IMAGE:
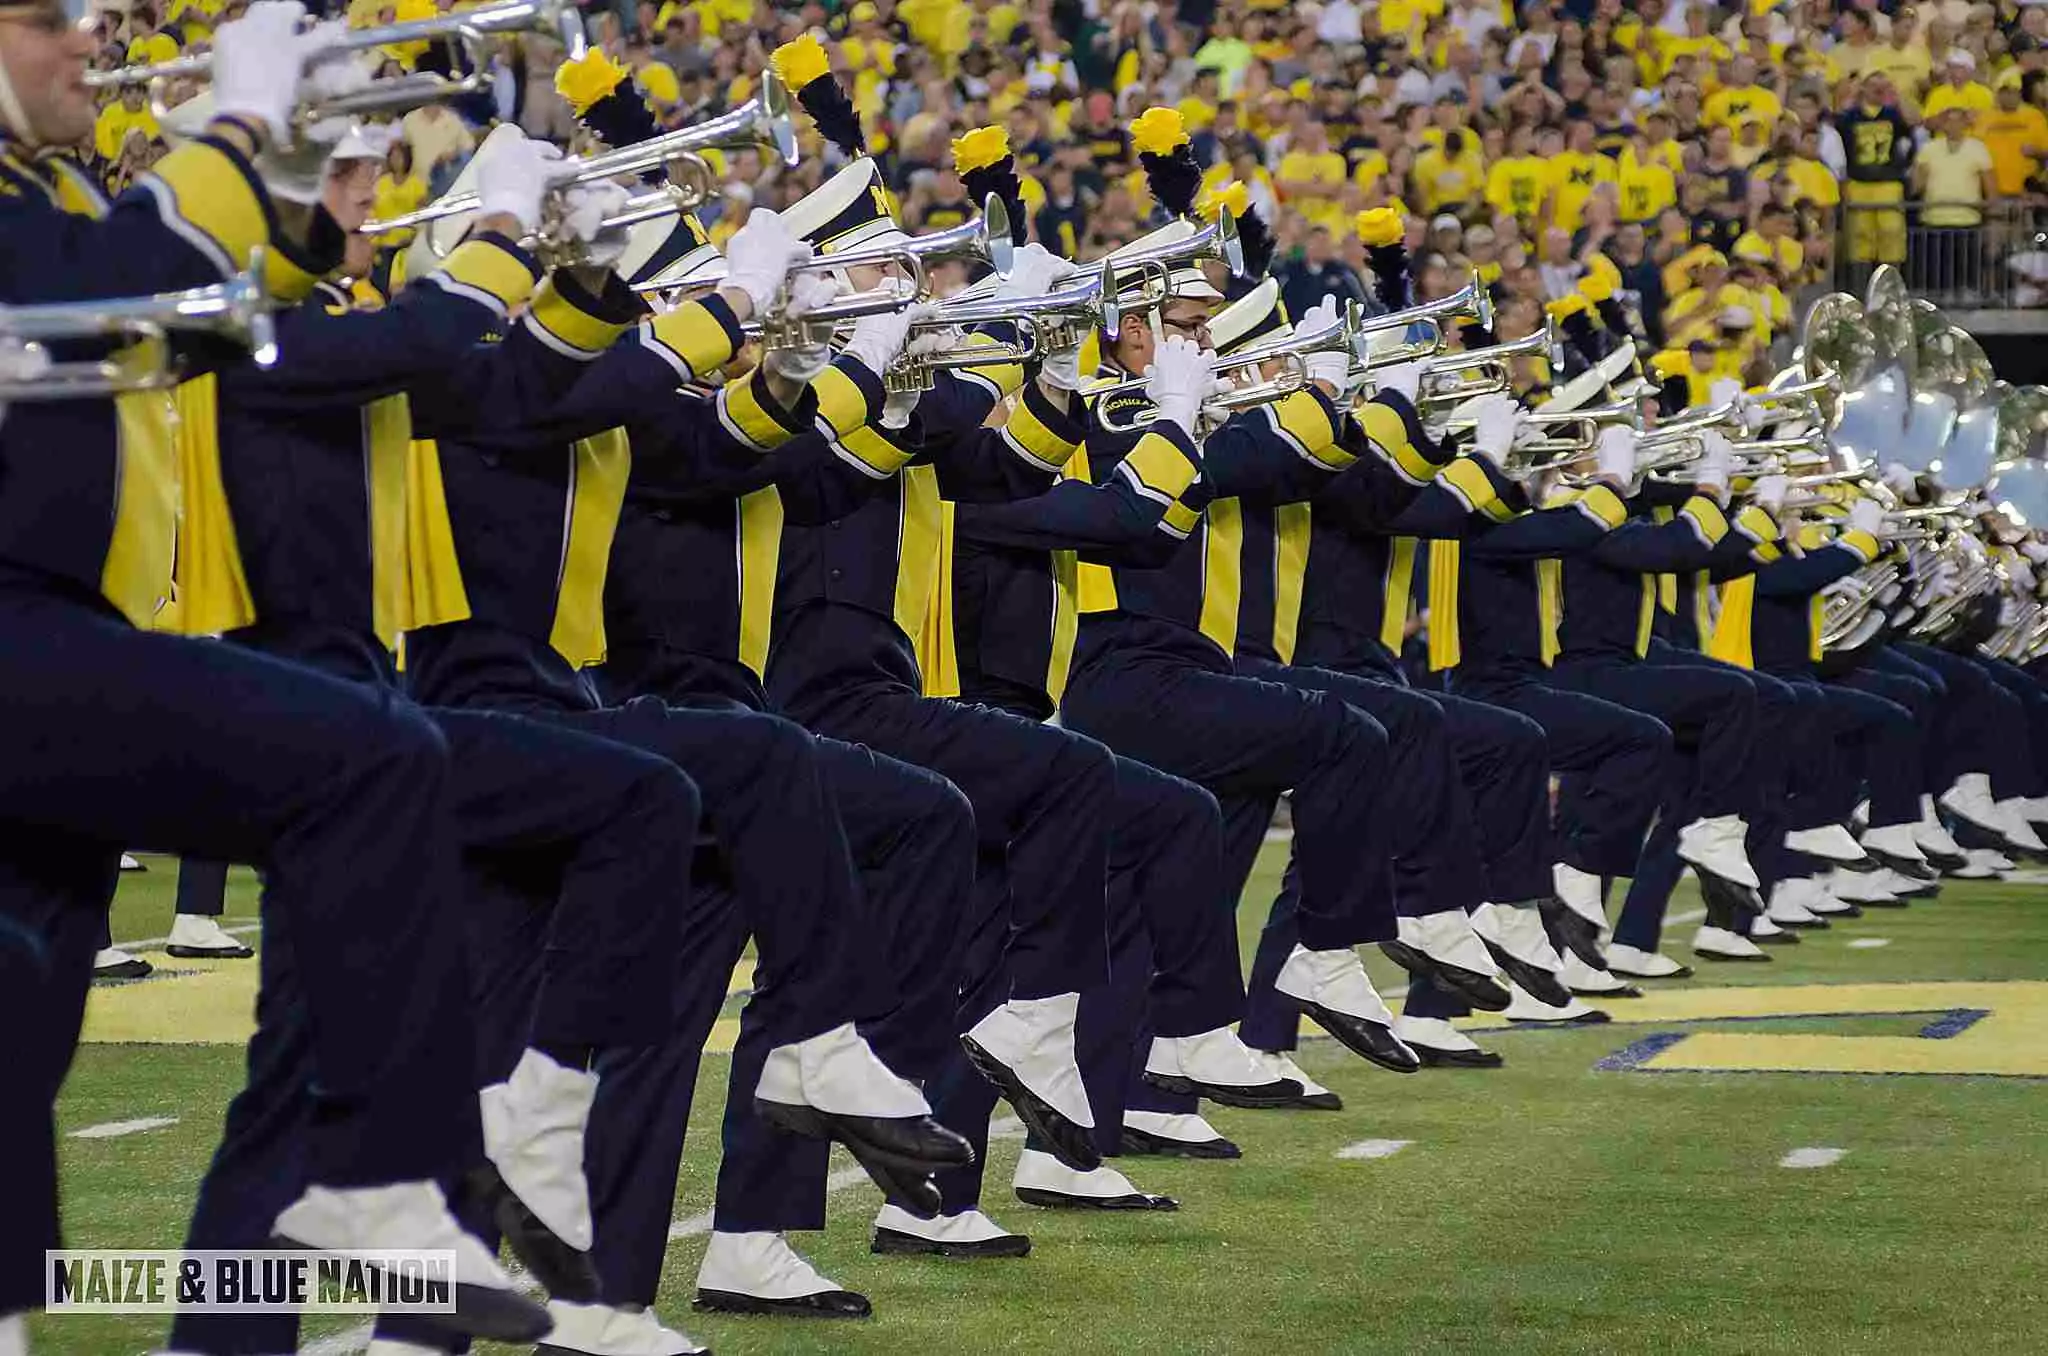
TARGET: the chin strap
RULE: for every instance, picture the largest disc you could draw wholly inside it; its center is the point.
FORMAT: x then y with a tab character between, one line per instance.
13	117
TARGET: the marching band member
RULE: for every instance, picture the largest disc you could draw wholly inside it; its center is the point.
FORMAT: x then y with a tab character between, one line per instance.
1163	1012
215	751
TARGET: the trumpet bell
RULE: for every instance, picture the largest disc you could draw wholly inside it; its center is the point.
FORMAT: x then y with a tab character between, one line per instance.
1888	311
1833	340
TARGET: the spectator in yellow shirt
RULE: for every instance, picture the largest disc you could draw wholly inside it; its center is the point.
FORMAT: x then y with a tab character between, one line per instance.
129	113
1958	89
1311	177
1645	181
1952	175
1741	101
1773	244
399	190
1904	61
1579	170
2016	134
1519	183
1451	178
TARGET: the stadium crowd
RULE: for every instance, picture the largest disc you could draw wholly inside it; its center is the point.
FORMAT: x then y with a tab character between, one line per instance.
1709	152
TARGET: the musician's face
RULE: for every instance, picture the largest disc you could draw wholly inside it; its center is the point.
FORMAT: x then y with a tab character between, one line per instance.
45	55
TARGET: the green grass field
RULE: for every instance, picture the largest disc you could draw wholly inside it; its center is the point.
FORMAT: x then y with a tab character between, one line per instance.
1546	1207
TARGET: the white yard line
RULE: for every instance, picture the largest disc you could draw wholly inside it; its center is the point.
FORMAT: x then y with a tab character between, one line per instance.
1374	1148
1812	1157
1869	943
116	1129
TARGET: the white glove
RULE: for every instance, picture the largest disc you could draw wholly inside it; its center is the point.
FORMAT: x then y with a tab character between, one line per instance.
1332	370
759	255
1497	420
1406	378
1181	377
257	61
2036	551
1769	493
21	362
1061	370
898	405
1615	455
1034	271
801	364
1723	390
2021	574
879	340
809	291
513	172
1865	516
1710	472
1899	480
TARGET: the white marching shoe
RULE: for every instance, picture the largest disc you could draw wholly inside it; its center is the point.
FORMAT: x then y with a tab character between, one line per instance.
114	963
14	1335
534	1124
1829	842
1983	864
1762	929
1332	988
1517	939
967	1234
1443	947
1893	843
1581	893
1172	1134
1218	1066
1442	1046
415	1215
196	937
1529	1009
2017	830
607	1330
1789	906
1931	835
1584	980
1026	1048
1314	1096
1043	1180
759	1273
1822	901
1715	844
833	1086
1723	945
1971	799
1634	963
130	862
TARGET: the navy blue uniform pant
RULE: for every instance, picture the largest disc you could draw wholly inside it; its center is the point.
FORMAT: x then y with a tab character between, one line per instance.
1613	761
1044	803
1170	700
1428	818
1981	724
116	738
1887	761
2034	702
576	857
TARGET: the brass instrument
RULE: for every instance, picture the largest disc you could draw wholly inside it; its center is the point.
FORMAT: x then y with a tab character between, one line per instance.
1346	335
471	28
238	309
1216	241
1569	434
1051	323
762	122
1472	302
1457	377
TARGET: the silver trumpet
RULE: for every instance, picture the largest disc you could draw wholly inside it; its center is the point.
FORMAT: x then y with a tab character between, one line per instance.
1154	266
1472	302
1568	435
471	28
238	309
1047	324
763	121
1345	335
1452	378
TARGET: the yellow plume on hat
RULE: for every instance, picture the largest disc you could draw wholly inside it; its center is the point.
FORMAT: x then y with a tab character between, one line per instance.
1158	131
801	61
1567	306
588	79
1233	195
1380	226
979	149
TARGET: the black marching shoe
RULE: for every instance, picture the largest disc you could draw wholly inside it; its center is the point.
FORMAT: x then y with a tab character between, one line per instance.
760	1274
1192	1137
967	1236
1044	1181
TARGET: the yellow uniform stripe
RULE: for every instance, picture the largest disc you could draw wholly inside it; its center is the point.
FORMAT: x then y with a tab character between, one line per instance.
692	336
207	198
1161	466
1863	544
1730	640
741	410
1706	518
1446	650
1291	528
1400	583
1181	519
1066	622
917	549
938	645
760	531
572	330
1757	524
1306	422
438	594
1095	585
1004	377
212	587
1646	615
1667	584
136	574
841	402
1222	581
1549	605
503	279
1604	504
1466	478
871	446
1814	609
1031	437
597	491
387	450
